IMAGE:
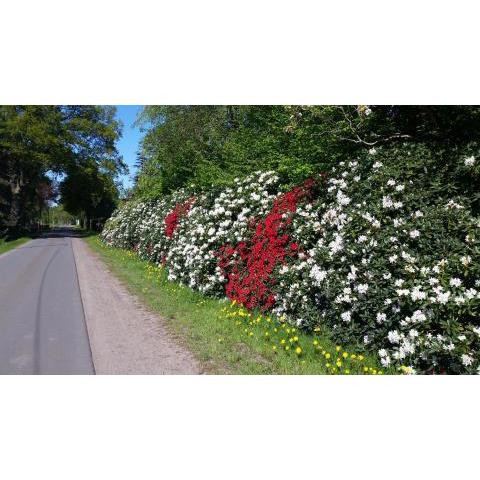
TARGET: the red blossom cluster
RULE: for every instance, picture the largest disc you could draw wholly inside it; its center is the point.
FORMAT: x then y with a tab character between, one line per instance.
173	218
249	265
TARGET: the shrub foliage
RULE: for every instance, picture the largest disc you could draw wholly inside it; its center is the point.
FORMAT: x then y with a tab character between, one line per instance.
384	249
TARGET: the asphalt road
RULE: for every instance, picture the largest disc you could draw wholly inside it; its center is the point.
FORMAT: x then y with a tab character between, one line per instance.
42	322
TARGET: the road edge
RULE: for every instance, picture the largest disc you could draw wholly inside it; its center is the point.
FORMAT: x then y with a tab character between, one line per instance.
82	300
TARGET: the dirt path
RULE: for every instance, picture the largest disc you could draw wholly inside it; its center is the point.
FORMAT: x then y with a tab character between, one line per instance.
125	338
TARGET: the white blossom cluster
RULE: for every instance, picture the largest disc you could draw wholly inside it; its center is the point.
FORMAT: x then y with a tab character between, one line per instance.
379	267
192	253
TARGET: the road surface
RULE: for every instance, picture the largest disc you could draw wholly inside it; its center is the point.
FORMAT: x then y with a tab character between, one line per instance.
42	323
63	312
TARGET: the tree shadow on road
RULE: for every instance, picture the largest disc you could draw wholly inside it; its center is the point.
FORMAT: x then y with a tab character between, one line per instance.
66	232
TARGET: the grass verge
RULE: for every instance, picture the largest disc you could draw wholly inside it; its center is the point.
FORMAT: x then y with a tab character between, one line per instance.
5	245
225	338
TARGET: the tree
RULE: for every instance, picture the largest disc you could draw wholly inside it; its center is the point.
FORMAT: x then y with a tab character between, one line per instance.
89	193
210	145
37	139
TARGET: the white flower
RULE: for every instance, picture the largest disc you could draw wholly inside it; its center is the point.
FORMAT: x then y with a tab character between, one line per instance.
387	202
366	340
393	258
443	297
377	165
417	294
372	151
400	188
453	205
393	336
346	316
450	347
385	361
418	316
467	360
318	274
470	293
466	260
455	282
414	234
381	317
342	199
470	161
362	288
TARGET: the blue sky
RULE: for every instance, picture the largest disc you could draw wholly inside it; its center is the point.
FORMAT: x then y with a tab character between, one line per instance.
128	144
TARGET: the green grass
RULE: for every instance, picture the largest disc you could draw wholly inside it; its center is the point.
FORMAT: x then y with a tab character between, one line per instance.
5	246
226	338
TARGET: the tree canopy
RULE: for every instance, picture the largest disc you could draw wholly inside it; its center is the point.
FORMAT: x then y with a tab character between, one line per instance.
39	140
211	145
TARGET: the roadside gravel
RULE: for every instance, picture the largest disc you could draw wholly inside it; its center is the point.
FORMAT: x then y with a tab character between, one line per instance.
125	337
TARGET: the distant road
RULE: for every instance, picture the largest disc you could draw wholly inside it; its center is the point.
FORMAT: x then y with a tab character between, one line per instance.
42	324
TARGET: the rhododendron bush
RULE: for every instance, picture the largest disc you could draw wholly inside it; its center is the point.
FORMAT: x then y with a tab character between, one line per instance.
380	251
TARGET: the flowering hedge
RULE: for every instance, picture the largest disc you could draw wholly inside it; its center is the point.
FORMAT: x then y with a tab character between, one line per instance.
385	252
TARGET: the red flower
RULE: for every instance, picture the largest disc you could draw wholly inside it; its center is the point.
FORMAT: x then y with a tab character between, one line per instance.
173	218
249	266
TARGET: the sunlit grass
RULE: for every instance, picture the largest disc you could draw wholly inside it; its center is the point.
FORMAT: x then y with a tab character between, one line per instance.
5	246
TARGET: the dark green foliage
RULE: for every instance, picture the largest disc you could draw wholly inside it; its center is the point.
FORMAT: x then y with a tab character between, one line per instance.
88	193
211	145
39	140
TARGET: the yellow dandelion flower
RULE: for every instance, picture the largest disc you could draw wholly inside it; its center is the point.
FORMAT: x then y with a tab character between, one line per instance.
315	343
295	339
282	341
353	356
327	356
347	371
337	348
345	355
298	350
361	357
